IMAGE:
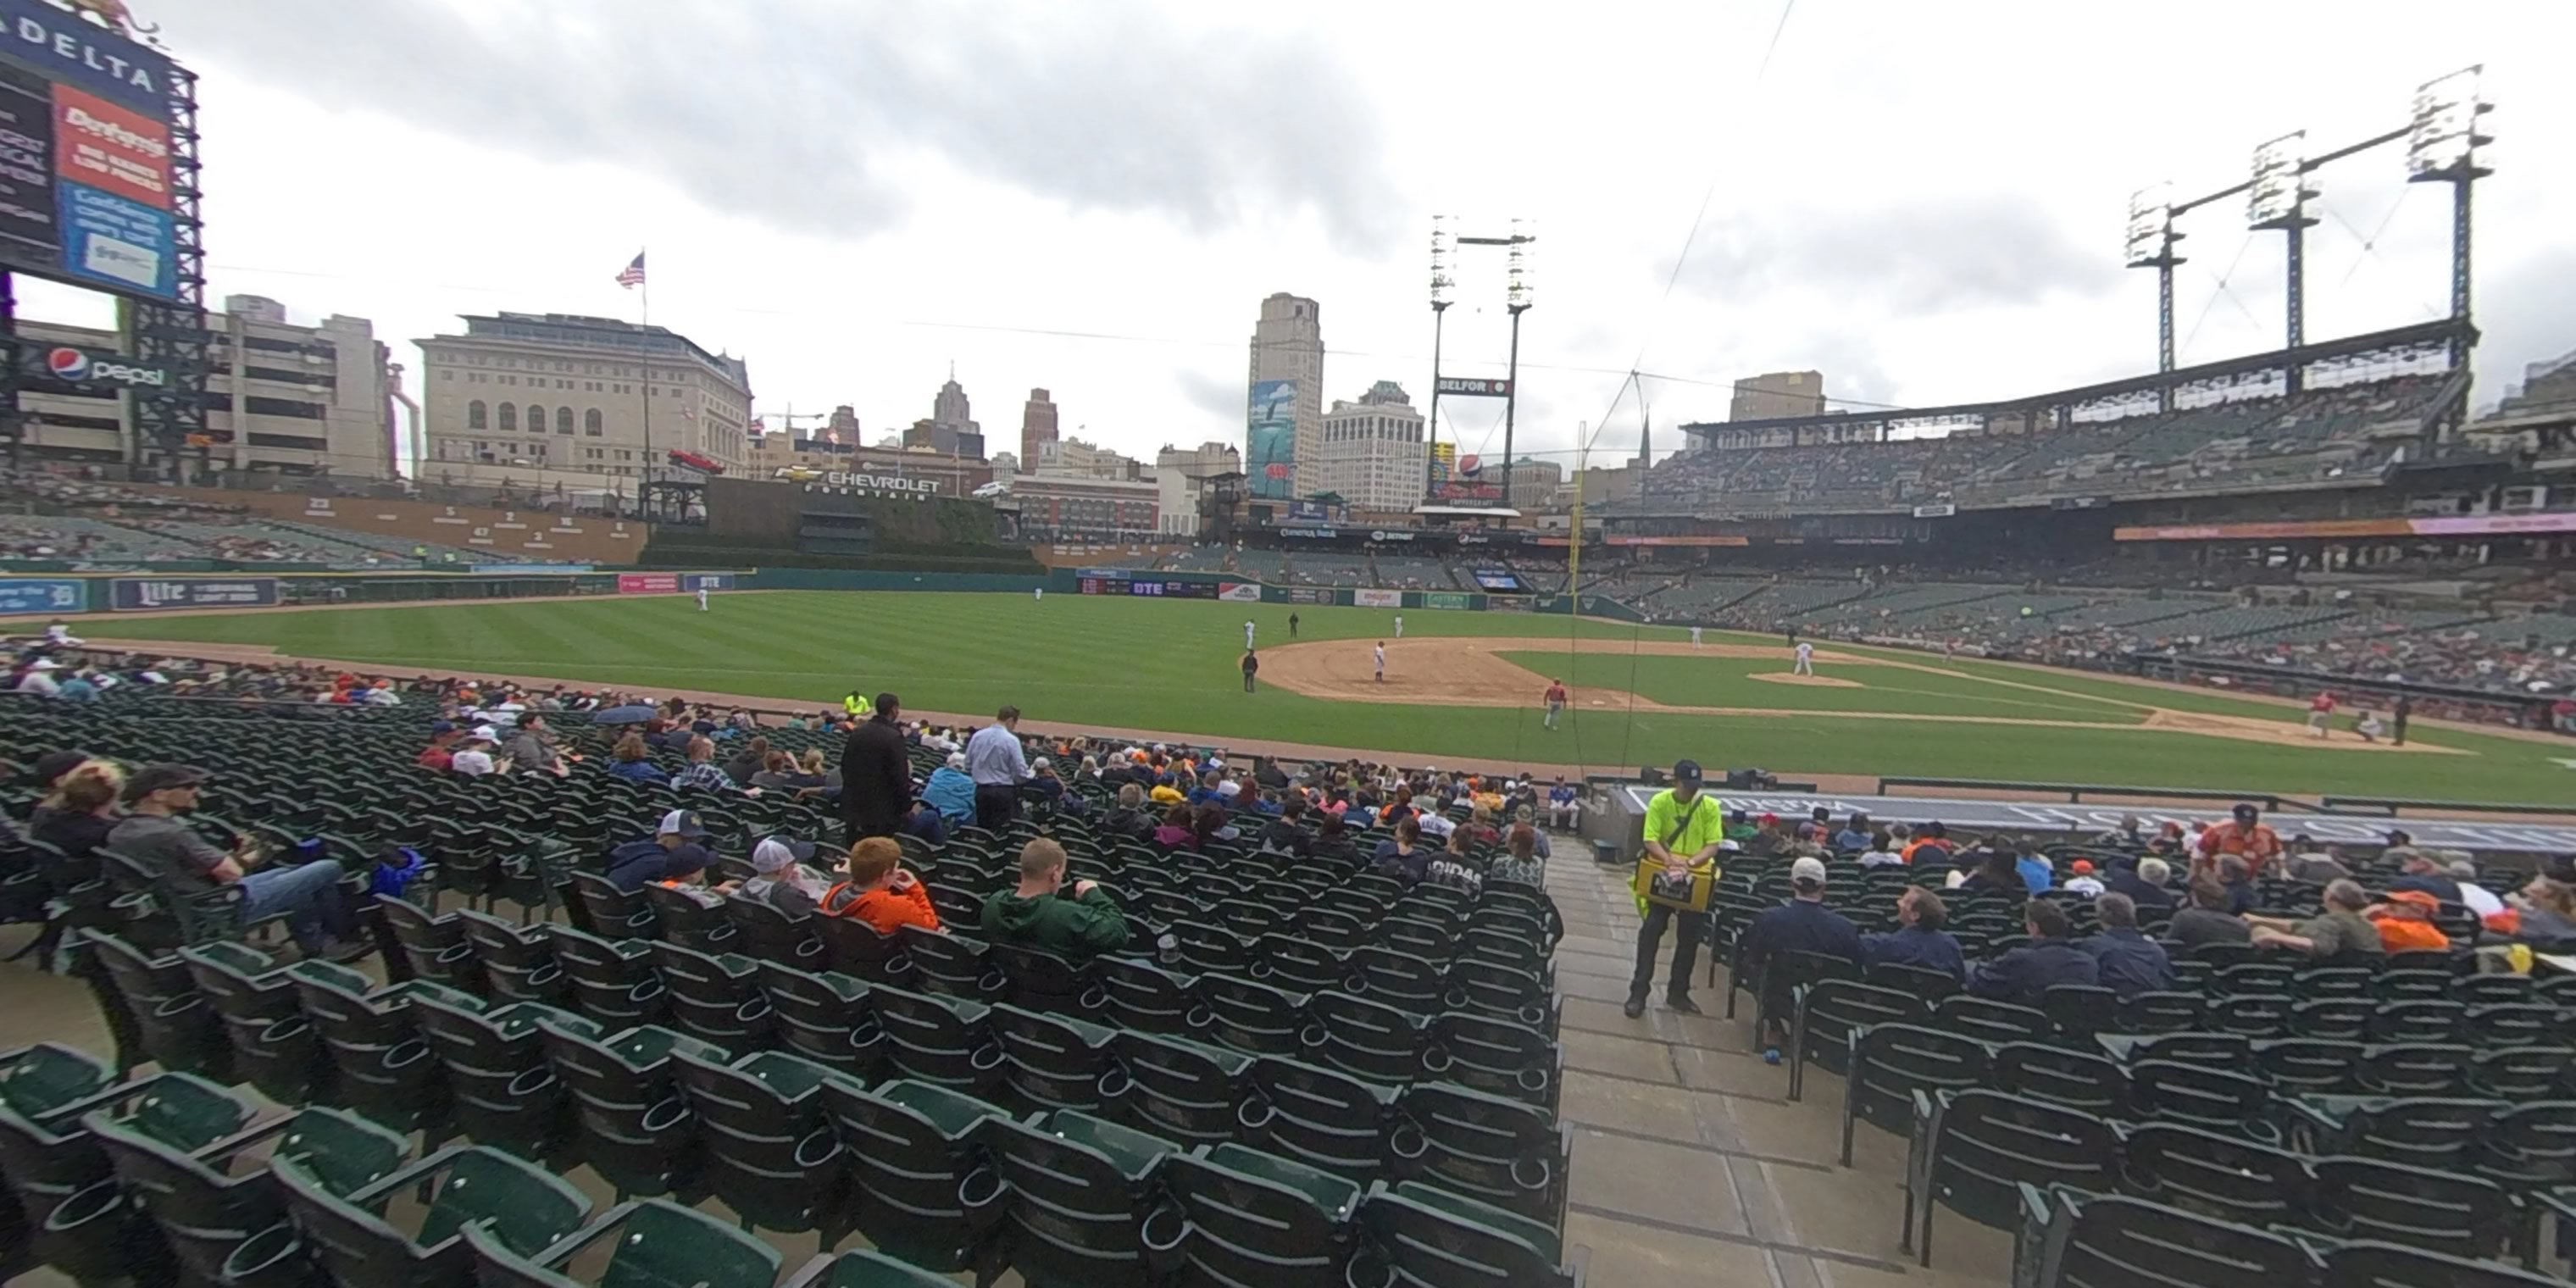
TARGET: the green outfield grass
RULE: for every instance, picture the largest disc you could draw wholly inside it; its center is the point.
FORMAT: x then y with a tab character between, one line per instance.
1170	665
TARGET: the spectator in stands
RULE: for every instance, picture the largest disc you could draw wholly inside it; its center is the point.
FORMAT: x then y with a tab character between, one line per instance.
2422	871
79	809
2244	835
701	773
2481	902
880	891
1564	804
998	766
633	761
2126	961
1857	835
1454	868
781	879
1286	834
307	895
2129	834
2080	879
1403	855
2025	974
439	754
1931	836
2545	910
2237	879
1480	829
1880	851
1804	924
1921	937
926	823
1127	817
1996	873
876	773
1039	915
2207	920
531	746
1208	826
2036	872
39	680
2339	933
1683	830
2405	922
475	759
751	760
2143	883
2314	867
950	791
1333	843
1173	833
673	853
1520	860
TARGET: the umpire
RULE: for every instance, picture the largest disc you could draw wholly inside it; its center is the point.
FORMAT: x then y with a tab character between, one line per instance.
876	773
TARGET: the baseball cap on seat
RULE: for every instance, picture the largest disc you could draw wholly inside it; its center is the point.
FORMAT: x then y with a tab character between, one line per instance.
682	823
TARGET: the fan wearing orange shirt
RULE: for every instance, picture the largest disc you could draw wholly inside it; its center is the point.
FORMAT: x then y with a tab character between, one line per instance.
879	891
2245	836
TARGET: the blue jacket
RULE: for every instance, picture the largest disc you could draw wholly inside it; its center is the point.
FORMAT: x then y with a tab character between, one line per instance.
642	771
1915	946
1801	925
2037	873
952	793
2025	975
2127	962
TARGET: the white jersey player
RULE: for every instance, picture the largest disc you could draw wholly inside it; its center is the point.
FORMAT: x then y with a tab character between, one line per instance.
1247	635
1381	662
1399	626
1037	594
702	599
1806	659
1694	637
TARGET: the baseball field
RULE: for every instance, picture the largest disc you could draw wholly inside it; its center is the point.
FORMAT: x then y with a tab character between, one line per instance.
1459	686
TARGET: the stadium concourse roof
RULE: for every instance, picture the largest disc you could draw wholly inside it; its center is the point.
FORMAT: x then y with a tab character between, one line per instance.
2422	333
1466	511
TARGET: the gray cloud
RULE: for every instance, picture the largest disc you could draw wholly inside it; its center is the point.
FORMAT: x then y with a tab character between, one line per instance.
1905	261
788	112
1216	397
2526	314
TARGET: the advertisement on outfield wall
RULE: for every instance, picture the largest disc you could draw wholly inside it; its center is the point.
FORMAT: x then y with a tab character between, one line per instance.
2465	525
1508	603
1309	595
142	594
1270	439
43	595
1447	599
648	583
1240	592
86	182
1377	598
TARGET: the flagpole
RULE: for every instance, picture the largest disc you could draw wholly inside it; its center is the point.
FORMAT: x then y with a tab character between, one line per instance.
645	286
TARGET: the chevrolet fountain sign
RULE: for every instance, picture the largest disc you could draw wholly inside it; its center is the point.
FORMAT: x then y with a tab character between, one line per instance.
839	481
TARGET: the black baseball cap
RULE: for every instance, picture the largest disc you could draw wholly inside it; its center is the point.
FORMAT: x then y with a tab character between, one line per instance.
2247	810
50	767
1686	771
162	778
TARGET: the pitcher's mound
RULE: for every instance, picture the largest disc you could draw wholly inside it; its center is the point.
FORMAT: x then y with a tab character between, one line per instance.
1792	677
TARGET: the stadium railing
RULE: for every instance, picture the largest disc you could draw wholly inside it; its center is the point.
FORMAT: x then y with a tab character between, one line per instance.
2076	792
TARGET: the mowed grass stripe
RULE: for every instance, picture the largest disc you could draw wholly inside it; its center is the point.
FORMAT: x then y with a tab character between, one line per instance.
1171	665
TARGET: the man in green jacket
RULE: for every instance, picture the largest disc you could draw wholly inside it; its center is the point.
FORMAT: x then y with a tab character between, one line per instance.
1040	915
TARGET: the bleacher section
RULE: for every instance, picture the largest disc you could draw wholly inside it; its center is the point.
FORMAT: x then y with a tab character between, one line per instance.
1411	572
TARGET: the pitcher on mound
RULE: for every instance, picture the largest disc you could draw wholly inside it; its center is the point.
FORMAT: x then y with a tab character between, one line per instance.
1806	659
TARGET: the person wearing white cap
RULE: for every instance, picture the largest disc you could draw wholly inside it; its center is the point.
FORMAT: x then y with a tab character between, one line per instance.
60	636
475	759
39	679
780	877
675	852
1804	924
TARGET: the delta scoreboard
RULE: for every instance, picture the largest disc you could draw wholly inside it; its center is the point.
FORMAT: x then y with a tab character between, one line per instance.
87	176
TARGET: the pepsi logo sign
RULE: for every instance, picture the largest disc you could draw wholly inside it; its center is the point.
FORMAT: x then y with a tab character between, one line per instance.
74	365
68	364
1470	466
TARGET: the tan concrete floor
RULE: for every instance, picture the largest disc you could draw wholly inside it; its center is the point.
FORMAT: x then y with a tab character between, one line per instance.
1690	1165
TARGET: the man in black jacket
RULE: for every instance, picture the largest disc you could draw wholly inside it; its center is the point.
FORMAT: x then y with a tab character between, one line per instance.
876	774
2024	974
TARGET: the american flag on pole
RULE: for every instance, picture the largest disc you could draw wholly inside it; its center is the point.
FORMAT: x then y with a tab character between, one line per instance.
632	275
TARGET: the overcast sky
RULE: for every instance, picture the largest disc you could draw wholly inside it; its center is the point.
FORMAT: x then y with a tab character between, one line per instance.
1924	201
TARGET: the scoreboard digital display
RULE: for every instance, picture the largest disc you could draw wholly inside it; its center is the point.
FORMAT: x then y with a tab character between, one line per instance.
1150	589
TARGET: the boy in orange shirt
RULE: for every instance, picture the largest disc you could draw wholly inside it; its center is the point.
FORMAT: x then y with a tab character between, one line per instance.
879	891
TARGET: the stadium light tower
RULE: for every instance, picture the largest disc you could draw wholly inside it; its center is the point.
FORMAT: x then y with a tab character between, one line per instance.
2277	198
1444	287
2150	244
1518	296
2442	141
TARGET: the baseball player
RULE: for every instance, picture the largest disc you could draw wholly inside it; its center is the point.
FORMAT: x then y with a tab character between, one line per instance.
1247	636
1694	637
1806	659
1381	660
1399	626
1037	594
1555	700
702	597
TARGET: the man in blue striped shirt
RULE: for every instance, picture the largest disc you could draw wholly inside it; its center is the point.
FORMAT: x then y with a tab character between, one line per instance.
998	766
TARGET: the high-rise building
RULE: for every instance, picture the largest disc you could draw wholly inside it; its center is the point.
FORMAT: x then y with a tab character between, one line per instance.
1037	425
951	429
1777	394
1182	474
1285	397
1371	452
1074	458
843	427
281	398
557	401
1534	482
